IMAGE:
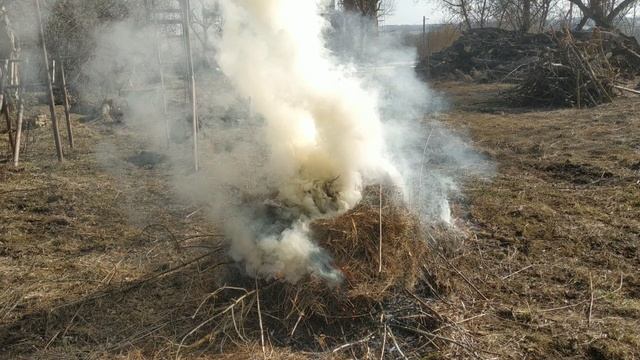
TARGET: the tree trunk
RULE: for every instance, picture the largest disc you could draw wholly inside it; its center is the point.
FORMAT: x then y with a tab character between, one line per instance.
525	24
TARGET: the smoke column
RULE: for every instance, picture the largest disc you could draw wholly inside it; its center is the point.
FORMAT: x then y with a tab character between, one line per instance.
322	128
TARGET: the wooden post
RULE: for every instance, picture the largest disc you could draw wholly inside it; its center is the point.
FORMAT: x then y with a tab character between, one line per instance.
12	69
53	71
65	98
3	79
52	104
633	21
3	103
424	32
578	86
425	42
163	90
16	152
186	8
7	118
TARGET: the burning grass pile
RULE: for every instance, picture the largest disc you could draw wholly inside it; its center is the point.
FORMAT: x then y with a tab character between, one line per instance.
382	306
574	74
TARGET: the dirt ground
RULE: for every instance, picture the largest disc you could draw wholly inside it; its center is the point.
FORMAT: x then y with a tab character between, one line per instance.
556	232
98	258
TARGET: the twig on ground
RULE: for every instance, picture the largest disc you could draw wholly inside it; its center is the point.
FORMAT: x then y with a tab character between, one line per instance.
348	345
463	277
591	301
264	351
459	322
384	338
395	342
137	283
585	301
193	213
444	338
215	316
517	272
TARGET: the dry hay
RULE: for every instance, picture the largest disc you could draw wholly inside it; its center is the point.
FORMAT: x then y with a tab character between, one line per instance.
386	310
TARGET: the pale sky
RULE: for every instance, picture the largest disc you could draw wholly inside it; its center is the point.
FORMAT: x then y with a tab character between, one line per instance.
410	12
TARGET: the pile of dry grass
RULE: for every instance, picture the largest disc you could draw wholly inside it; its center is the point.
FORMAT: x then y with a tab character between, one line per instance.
355	239
379	306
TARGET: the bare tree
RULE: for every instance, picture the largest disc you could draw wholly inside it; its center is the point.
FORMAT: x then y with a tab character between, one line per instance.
522	15
461	9
369	8
605	13
473	13
205	18
525	15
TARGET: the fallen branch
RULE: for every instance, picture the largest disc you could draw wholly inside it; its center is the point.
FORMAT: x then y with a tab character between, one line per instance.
464	277
626	89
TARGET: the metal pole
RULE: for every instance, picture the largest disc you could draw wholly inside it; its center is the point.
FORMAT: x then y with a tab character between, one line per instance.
52	104
65	96
192	79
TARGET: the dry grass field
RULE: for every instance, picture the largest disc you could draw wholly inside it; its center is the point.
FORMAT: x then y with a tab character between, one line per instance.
99	260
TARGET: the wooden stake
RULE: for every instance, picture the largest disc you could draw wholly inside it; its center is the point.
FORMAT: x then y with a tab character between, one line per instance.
3	79
7	78
7	118
16	152
380	234
65	96
591	300
52	104
163	90
53	71
186	9
578	85
151	5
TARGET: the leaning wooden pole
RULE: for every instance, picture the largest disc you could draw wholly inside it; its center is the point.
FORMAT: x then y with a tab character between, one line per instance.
52	103
16	152
65	97
186	8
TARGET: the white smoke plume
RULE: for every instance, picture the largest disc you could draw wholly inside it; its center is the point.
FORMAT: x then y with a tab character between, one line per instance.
320	130
323	129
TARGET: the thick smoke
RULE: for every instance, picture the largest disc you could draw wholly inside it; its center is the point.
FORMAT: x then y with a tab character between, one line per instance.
322	127
295	119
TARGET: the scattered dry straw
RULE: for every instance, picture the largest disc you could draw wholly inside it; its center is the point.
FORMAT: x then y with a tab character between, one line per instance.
387	311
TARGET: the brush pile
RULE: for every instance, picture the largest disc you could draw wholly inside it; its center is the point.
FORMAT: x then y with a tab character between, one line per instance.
486	54
490	54
574	73
375	302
